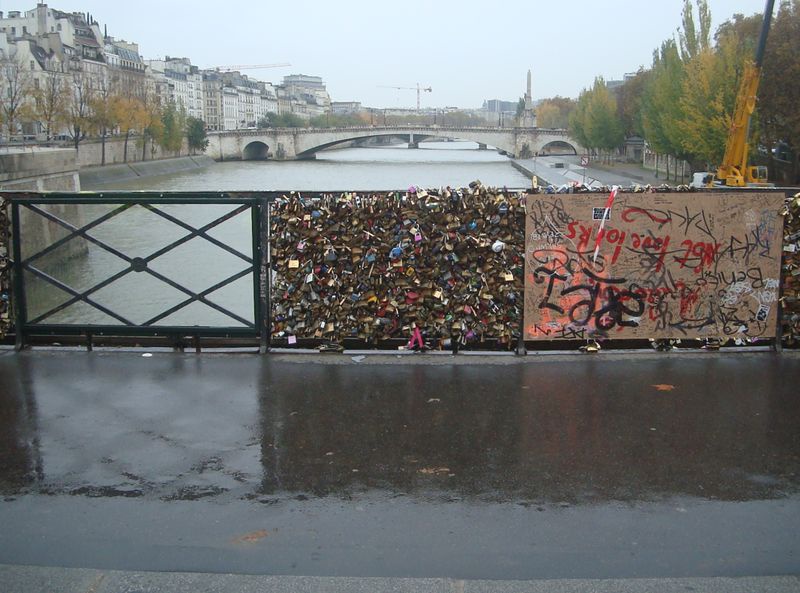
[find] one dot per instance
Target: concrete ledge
(34, 579)
(96, 177)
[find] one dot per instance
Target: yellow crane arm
(733, 169)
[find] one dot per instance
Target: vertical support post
(264, 273)
(520, 350)
(19, 284)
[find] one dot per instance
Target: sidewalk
(35, 579)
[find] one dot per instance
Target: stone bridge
(304, 143)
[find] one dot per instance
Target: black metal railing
(31, 214)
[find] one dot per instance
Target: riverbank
(99, 177)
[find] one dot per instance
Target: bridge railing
(285, 269)
(138, 265)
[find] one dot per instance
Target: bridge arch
(417, 136)
(300, 143)
(255, 151)
(558, 147)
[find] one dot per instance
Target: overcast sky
(466, 50)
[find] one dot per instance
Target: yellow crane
(734, 170)
(418, 88)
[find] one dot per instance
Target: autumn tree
(661, 107)
(103, 114)
(694, 38)
(151, 123)
(602, 126)
(554, 112)
(708, 100)
(126, 112)
(50, 100)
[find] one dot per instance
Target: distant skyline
(467, 51)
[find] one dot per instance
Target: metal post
(265, 276)
(19, 284)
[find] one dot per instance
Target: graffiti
(679, 266)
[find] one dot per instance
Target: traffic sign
(584, 161)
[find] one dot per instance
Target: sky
(467, 51)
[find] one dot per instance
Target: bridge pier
(411, 143)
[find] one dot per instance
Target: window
(58, 26)
(32, 65)
(24, 30)
(13, 30)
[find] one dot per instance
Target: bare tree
(102, 108)
(51, 100)
(79, 112)
(15, 85)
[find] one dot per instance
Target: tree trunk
(656, 165)
(103, 145)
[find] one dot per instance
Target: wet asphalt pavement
(608, 466)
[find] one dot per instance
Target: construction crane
(250, 67)
(734, 170)
(418, 88)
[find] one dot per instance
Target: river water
(197, 264)
(434, 164)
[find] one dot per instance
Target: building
(346, 107)
(303, 95)
(128, 70)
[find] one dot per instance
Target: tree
(661, 108)
(79, 111)
(15, 84)
(282, 120)
(102, 112)
(601, 124)
(521, 107)
(126, 112)
(693, 41)
(50, 101)
(196, 134)
(173, 121)
(779, 93)
(554, 112)
(629, 103)
(707, 103)
(577, 120)
(150, 123)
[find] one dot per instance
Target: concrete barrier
(98, 177)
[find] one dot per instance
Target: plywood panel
(668, 265)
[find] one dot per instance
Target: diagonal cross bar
(200, 297)
(201, 232)
(77, 296)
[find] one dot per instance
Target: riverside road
(473, 469)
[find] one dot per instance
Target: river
(434, 164)
(197, 264)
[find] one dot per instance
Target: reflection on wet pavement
(575, 431)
